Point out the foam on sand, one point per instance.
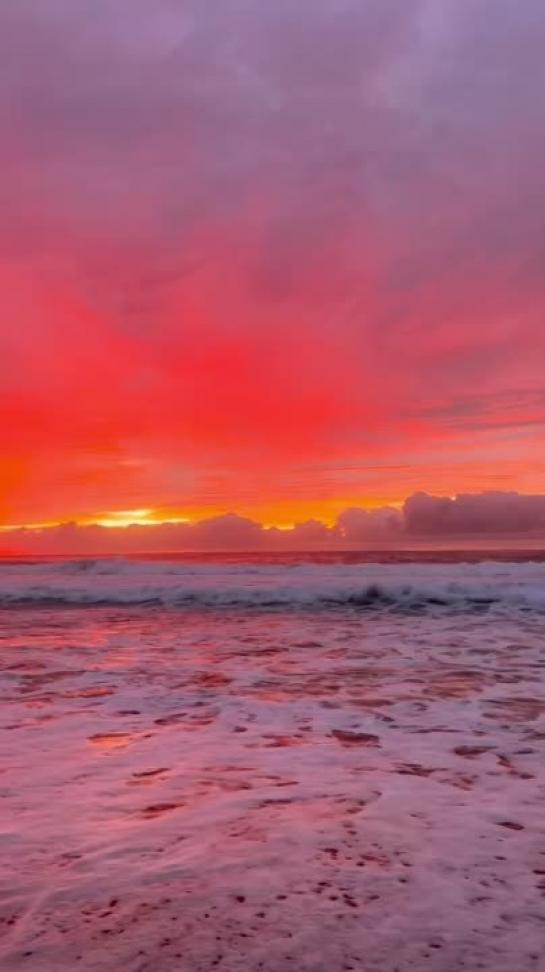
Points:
(266, 790)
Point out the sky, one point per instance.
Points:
(279, 260)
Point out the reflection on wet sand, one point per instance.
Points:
(199, 790)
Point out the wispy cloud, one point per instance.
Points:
(255, 236)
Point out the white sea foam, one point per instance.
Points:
(272, 789)
(380, 586)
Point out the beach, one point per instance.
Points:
(244, 764)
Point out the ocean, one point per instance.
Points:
(312, 762)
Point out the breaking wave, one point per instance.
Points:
(425, 587)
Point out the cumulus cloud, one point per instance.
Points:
(356, 525)
(228, 532)
(480, 514)
(432, 519)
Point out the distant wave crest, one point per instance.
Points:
(373, 587)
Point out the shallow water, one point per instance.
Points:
(312, 786)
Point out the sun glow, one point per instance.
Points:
(278, 515)
(9, 527)
(140, 517)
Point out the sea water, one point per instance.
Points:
(248, 762)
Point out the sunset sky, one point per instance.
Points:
(276, 258)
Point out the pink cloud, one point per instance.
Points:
(267, 243)
(432, 519)
(485, 514)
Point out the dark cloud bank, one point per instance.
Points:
(483, 518)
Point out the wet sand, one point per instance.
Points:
(315, 791)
